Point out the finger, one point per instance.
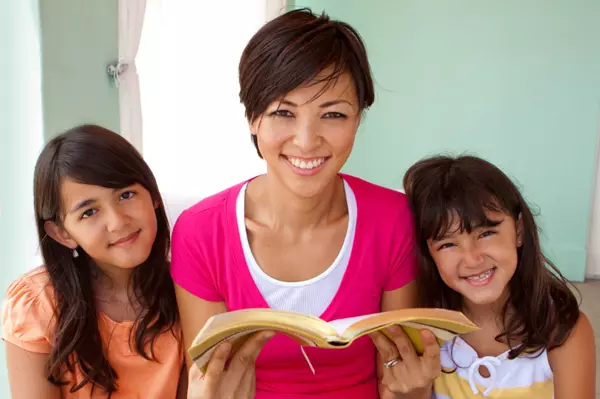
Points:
(246, 356)
(386, 348)
(404, 345)
(247, 383)
(431, 353)
(214, 371)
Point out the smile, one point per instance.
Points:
(482, 278)
(306, 163)
(127, 240)
(306, 166)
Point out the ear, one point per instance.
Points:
(59, 234)
(255, 125)
(520, 228)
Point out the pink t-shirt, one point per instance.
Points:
(208, 261)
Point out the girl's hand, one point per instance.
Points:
(231, 377)
(406, 374)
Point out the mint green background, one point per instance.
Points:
(79, 40)
(66, 44)
(516, 82)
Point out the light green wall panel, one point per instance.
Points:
(79, 40)
(20, 141)
(516, 82)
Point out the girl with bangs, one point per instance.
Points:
(480, 254)
(99, 319)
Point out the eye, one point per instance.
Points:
(487, 233)
(88, 213)
(127, 195)
(445, 245)
(334, 115)
(282, 113)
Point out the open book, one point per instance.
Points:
(237, 326)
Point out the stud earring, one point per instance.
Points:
(75, 253)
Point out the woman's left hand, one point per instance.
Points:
(404, 373)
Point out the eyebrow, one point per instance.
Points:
(324, 105)
(87, 202)
(83, 204)
(485, 224)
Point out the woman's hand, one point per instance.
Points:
(229, 377)
(404, 373)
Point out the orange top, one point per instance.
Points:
(27, 321)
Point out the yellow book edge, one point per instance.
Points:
(237, 326)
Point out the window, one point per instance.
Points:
(195, 136)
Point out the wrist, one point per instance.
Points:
(421, 393)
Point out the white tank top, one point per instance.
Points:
(311, 296)
(527, 376)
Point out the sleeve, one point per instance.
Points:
(188, 267)
(403, 255)
(26, 317)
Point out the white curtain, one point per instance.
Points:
(196, 138)
(131, 22)
(593, 244)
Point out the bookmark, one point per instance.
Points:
(307, 360)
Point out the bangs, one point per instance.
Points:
(454, 209)
(299, 49)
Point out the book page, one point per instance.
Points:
(342, 324)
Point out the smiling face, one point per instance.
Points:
(479, 264)
(115, 227)
(307, 136)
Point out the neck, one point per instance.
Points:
(286, 211)
(113, 279)
(485, 313)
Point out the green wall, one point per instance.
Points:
(79, 40)
(53, 57)
(516, 82)
(20, 141)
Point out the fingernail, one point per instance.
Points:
(394, 329)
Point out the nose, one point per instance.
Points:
(116, 219)
(307, 137)
(472, 257)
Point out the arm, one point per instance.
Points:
(194, 312)
(574, 363)
(27, 374)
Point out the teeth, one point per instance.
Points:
(306, 165)
(481, 276)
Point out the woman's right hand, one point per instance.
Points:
(229, 377)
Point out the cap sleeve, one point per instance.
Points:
(26, 316)
(403, 263)
(188, 268)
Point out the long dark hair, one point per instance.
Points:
(291, 50)
(541, 310)
(90, 154)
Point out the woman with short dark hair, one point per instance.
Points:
(303, 237)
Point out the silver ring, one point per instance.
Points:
(391, 363)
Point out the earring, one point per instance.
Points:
(75, 253)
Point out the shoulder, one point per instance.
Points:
(580, 338)
(35, 284)
(206, 213)
(573, 363)
(28, 311)
(379, 201)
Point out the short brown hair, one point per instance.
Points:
(291, 50)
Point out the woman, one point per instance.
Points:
(303, 237)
